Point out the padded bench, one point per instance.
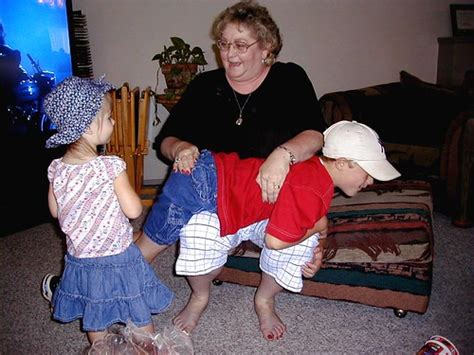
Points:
(379, 250)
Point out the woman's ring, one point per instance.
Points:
(177, 160)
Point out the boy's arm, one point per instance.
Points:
(319, 227)
(322, 228)
(52, 203)
(310, 268)
(129, 201)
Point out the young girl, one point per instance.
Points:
(106, 280)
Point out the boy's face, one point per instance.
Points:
(353, 177)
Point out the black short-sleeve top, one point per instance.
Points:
(284, 105)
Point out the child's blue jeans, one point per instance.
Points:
(183, 196)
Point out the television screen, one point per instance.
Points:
(35, 54)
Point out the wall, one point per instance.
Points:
(343, 44)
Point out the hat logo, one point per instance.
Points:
(382, 148)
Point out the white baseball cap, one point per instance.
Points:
(361, 144)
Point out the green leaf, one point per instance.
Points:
(178, 42)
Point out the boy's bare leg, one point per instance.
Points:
(189, 316)
(271, 325)
(148, 247)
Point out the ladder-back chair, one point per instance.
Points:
(129, 140)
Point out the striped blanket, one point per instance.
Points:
(379, 250)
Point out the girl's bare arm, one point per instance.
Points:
(52, 204)
(128, 199)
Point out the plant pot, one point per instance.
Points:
(178, 76)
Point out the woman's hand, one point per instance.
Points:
(185, 156)
(272, 174)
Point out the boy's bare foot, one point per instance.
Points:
(271, 325)
(189, 316)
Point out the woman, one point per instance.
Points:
(256, 107)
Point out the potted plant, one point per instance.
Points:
(179, 65)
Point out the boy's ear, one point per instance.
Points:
(339, 163)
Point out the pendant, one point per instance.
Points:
(239, 121)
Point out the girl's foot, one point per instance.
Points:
(49, 283)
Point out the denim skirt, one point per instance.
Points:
(108, 290)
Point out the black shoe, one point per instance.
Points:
(48, 285)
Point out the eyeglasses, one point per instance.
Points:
(240, 46)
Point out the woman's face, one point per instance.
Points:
(246, 66)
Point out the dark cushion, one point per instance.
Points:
(410, 112)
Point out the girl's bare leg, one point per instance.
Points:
(150, 329)
(271, 325)
(93, 336)
(189, 316)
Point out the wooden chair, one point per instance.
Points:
(147, 193)
(129, 141)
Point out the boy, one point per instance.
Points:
(353, 156)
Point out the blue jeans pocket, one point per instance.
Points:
(182, 196)
(204, 181)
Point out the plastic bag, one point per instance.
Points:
(130, 340)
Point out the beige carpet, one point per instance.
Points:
(230, 326)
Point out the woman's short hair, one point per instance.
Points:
(256, 18)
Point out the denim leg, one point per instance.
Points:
(164, 221)
(182, 196)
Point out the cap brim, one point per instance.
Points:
(380, 170)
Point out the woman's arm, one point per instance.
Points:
(128, 199)
(182, 130)
(273, 171)
(183, 154)
(299, 114)
(303, 146)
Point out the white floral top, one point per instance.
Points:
(88, 209)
